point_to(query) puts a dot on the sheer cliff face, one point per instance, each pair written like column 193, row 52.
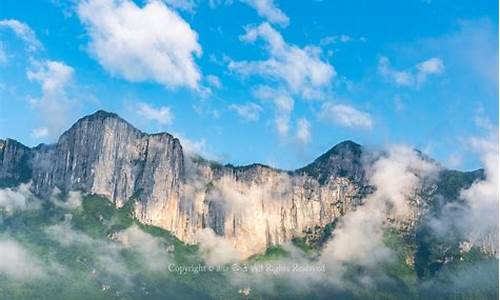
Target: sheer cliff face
column 253, row 206
column 102, row 154
column 14, row 162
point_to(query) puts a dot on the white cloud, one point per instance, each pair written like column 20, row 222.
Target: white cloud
column 414, row 78
column 214, row 81
column 187, row 5
column 24, row 32
column 215, row 249
column 345, row 115
column 150, row 43
column 399, row 77
column 216, row 3
column 343, row 38
column 481, row 219
column 283, row 106
column 396, row 176
column 475, row 214
column 73, row 200
column 301, row 69
column 107, row 254
column 190, row 146
column 54, row 77
column 303, row 134
column 163, row 115
column 40, row 132
column 16, row 262
column 268, row 9
column 15, row 198
column 432, row 66
column 250, row 111
column 471, row 53
column 153, row 252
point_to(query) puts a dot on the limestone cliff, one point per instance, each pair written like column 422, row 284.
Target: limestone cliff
column 252, row 206
column 15, row 163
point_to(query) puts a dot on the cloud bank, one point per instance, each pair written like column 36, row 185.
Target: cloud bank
column 149, row 43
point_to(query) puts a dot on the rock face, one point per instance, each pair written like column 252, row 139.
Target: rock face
column 14, row 162
column 104, row 155
column 252, row 206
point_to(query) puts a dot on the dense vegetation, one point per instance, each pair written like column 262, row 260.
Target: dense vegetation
column 82, row 257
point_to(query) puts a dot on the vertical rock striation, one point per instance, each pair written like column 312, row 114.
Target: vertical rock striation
column 252, row 206
column 15, row 165
column 104, row 155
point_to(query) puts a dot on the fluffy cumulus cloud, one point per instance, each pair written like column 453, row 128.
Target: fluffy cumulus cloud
column 149, row 43
column 268, row 9
column 249, row 111
column 359, row 238
column 301, row 70
column 53, row 105
column 162, row 115
column 345, row 115
column 23, row 31
column 415, row 77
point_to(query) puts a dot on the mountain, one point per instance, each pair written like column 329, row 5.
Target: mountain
column 254, row 206
column 343, row 160
column 155, row 222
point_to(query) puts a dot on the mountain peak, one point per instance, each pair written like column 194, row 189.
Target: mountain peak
column 343, row 147
column 98, row 118
column 102, row 114
column 343, row 160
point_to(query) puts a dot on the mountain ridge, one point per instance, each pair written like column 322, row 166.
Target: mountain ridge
column 252, row 206
column 340, row 147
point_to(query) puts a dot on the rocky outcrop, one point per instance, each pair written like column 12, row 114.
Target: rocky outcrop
column 104, row 155
column 343, row 160
column 252, row 206
column 15, row 164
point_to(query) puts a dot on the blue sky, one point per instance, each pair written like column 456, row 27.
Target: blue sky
column 276, row 82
